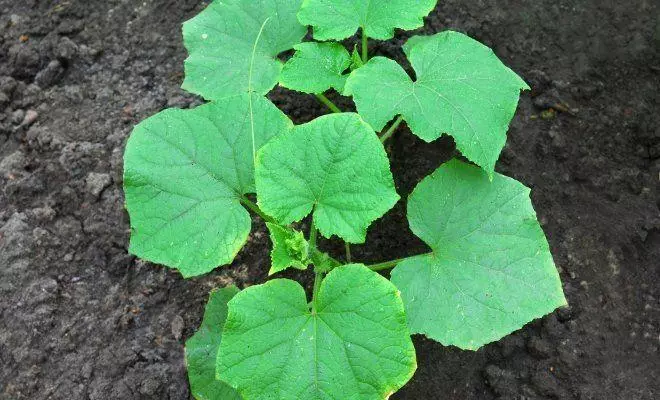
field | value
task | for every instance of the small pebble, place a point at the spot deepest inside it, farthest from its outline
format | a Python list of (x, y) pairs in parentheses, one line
[(30, 117)]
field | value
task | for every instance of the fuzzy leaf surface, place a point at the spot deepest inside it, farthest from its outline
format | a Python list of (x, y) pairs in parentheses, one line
[(184, 174), (462, 89), (491, 271), (356, 346), (334, 166), (316, 67), (290, 249), (339, 19), (202, 350), (233, 46)]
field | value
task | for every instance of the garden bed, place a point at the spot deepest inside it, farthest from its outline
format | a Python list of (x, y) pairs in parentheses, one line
[(81, 319)]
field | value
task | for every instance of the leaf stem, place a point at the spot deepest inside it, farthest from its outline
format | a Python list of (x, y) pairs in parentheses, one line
[(254, 52), (255, 208), (391, 264), (326, 101), (318, 278), (313, 233), (348, 252), (365, 47), (390, 131)]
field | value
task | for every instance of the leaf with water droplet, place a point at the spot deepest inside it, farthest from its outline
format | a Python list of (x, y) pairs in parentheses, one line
[(202, 350), (185, 172), (316, 67), (462, 89), (353, 345), (233, 46), (339, 19), (491, 270)]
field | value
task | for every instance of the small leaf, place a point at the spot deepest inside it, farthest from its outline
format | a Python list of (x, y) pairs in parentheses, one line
[(335, 166), (323, 262), (233, 46), (356, 60), (290, 249), (202, 350), (491, 270), (339, 19), (316, 67), (462, 89), (184, 174), (355, 346)]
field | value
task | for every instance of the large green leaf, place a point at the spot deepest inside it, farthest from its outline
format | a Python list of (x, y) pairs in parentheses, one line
[(491, 270), (354, 346), (233, 46), (462, 89), (316, 67), (334, 165), (184, 174), (290, 249), (202, 350), (339, 19)]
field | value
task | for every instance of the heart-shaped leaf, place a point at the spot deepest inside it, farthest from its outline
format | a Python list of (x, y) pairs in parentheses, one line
[(335, 166), (339, 19), (202, 350), (185, 172), (233, 46), (353, 346), (491, 270), (462, 89), (316, 67)]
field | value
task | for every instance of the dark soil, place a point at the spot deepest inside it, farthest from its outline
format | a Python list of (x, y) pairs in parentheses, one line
[(81, 319)]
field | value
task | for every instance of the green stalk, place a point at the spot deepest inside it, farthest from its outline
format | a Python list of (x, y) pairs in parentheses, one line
[(389, 132), (313, 233), (365, 47), (326, 101), (391, 264), (348, 252), (255, 208), (318, 278)]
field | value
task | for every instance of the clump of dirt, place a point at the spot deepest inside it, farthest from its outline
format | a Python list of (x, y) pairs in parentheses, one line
[(82, 319)]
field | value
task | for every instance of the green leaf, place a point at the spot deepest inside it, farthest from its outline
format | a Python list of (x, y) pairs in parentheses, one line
[(335, 166), (202, 350), (462, 89), (356, 60), (323, 263), (185, 172), (316, 67), (290, 249), (491, 270), (339, 19), (233, 46), (355, 346)]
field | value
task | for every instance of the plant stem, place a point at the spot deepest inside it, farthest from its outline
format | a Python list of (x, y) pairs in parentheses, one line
[(318, 278), (313, 233), (390, 131), (391, 264), (365, 47), (255, 208), (326, 101), (348, 252)]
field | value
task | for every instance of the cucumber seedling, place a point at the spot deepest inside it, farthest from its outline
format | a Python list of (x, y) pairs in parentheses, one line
[(189, 176)]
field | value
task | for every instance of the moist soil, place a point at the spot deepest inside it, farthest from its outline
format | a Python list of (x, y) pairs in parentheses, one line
[(82, 319)]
